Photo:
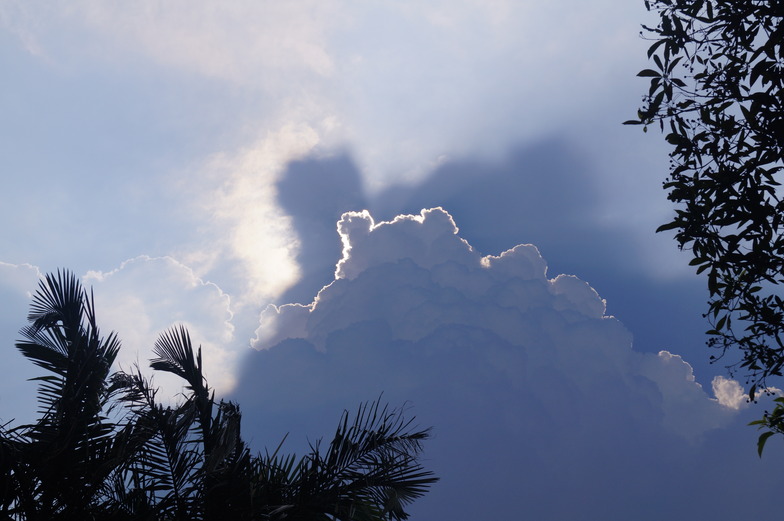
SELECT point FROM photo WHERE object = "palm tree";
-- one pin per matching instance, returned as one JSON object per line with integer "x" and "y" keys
{"x": 182, "y": 462}
{"x": 192, "y": 457}
{"x": 370, "y": 471}
{"x": 56, "y": 467}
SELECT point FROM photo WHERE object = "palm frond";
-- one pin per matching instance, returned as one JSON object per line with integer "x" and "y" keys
{"x": 370, "y": 471}
{"x": 165, "y": 463}
{"x": 71, "y": 449}
{"x": 64, "y": 340}
{"x": 175, "y": 355}
{"x": 104, "y": 448}
{"x": 59, "y": 300}
{"x": 174, "y": 352}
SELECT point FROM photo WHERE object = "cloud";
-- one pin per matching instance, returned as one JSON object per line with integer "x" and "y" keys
{"x": 543, "y": 193}
{"x": 245, "y": 240}
{"x": 729, "y": 392}
{"x": 138, "y": 300}
{"x": 349, "y": 69}
{"x": 145, "y": 296}
{"x": 230, "y": 42}
{"x": 529, "y": 385}
{"x": 185, "y": 114}
{"x": 314, "y": 192}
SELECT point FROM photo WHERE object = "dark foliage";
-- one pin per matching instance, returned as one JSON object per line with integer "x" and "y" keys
{"x": 716, "y": 90}
{"x": 104, "y": 448}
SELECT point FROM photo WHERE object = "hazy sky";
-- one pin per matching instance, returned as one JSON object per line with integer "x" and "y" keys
{"x": 433, "y": 200}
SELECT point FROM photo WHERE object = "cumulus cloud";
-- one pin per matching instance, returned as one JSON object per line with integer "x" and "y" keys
{"x": 541, "y": 194}
{"x": 529, "y": 384}
{"x": 729, "y": 392}
{"x": 145, "y": 296}
{"x": 138, "y": 300}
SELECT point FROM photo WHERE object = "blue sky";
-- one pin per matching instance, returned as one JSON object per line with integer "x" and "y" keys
{"x": 195, "y": 164}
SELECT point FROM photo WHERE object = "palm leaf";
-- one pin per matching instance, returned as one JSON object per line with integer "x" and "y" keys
{"x": 165, "y": 464}
{"x": 59, "y": 300}
{"x": 370, "y": 471}
{"x": 175, "y": 354}
{"x": 71, "y": 449}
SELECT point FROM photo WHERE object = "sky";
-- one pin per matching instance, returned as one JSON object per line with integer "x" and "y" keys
{"x": 432, "y": 202}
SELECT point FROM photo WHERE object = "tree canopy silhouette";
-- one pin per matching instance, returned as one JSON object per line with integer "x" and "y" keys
{"x": 716, "y": 90}
{"x": 104, "y": 448}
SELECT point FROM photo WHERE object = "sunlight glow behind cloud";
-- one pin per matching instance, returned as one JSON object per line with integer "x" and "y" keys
{"x": 248, "y": 238}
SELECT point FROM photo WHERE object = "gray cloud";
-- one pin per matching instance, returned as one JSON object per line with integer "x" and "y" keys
{"x": 534, "y": 393}
{"x": 316, "y": 192}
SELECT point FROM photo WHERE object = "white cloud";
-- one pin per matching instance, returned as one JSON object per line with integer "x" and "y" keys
{"x": 687, "y": 408}
{"x": 139, "y": 300}
{"x": 145, "y": 296}
{"x": 729, "y": 393}
{"x": 428, "y": 238}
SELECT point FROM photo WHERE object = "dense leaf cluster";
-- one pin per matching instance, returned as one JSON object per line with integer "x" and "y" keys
{"x": 105, "y": 448}
{"x": 716, "y": 90}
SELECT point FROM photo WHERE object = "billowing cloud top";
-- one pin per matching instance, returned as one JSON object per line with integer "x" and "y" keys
{"x": 453, "y": 278}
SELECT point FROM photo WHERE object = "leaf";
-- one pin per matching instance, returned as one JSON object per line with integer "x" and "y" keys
{"x": 721, "y": 322}
{"x": 652, "y": 48}
{"x": 658, "y": 62}
{"x": 681, "y": 83}
{"x": 649, "y": 73}
{"x": 668, "y": 226}
{"x": 762, "y": 440}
